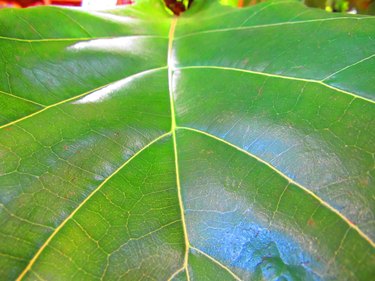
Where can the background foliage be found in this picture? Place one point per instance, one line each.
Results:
(360, 6)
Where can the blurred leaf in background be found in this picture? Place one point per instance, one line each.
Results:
(241, 3)
(358, 6)
(337, 6)
(178, 6)
(354, 6)
(84, 3)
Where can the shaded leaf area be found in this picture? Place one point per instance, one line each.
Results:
(224, 144)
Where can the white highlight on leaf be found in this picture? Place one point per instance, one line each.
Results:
(129, 45)
(106, 92)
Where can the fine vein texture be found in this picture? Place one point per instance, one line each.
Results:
(223, 144)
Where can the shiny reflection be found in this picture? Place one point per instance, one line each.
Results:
(266, 253)
(115, 18)
(283, 146)
(239, 236)
(107, 91)
(123, 45)
(104, 93)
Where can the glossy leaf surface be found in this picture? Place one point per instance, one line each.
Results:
(225, 144)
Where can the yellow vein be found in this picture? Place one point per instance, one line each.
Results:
(217, 262)
(28, 23)
(75, 39)
(268, 25)
(47, 40)
(38, 253)
(187, 272)
(23, 219)
(349, 66)
(38, 276)
(235, 10)
(320, 82)
(265, 7)
(174, 274)
(339, 247)
(61, 11)
(278, 205)
(320, 200)
(21, 98)
(79, 96)
(173, 129)
(12, 257)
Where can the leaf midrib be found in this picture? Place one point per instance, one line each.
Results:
(175, 150)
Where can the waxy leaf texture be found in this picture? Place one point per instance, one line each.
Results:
(223, 144)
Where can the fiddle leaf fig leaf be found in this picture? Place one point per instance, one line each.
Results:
(222, 144)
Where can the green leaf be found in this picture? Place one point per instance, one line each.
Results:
(225, 144)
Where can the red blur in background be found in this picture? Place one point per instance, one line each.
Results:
(28, 3)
